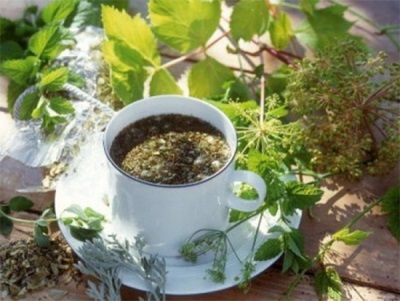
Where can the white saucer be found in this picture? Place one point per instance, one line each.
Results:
(86, 184)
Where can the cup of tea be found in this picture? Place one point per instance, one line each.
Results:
(171, 169)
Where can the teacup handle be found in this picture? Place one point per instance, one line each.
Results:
(253, 180)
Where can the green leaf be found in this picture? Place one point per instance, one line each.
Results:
(129, 86)
(58, 10)
(61, 105)
(21, 71)
(75, 79)
(325, 25)
(41, 107)
(14, 90)
(40, 235)
(249, 18)
(47, 42)
(281, 31)
(308, 6)
(350, 238)
(77, 210)
(303, 195)
(54, 79)
(5, 25)
(391, 206)
(28, 105)
(83, 234)
(93, 213)
(122, 57)
(328, 283)
(133, 32)
(6, 225)
(185, 26)
(10, 50)
(162, 82)
(20, 203)
(207, 77)
(268, 250)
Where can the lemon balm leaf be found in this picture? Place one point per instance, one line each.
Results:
(249, 18)
(187, 25)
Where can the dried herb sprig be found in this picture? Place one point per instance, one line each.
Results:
(105, 258)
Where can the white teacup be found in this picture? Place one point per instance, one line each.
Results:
(166, 215)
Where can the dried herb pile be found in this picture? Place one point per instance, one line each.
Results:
(170, 149)
(24, 266)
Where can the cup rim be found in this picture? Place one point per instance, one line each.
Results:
(161, 185)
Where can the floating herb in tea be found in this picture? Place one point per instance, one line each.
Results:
(170, 149)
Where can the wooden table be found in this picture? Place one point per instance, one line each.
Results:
(370, 271)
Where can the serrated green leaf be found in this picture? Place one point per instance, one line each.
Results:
(54, 79)
(269, 250)
(236, 215)
(29, 104)
(207, 77)
(301, 195)
(129, 86)
(281, 31)
(20, 71)
(75, 79)
(249, 18)
(162, 82)
(6, 225)
(61, 105)
(185, 26)
(324, 26)
(20, 203)
(350, 238)
(133, 32)
(122, 57)
(47, 42)
(391, 206)
(58, 10)
(288, 260)
(328, 284)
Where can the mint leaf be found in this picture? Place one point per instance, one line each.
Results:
(350, 238)
(268, 250)
(20, 203)
(162, 82)
(281, 31)
(54, 79)
(58, 10)
(249, 18)
(61, 105)
(133, 32)
(20, 71)
(328, 283)
(391, 206)
(186, 26)
(47, 42)
(207, 77)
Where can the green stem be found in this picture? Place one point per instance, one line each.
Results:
(325, 247)
(26, 221)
